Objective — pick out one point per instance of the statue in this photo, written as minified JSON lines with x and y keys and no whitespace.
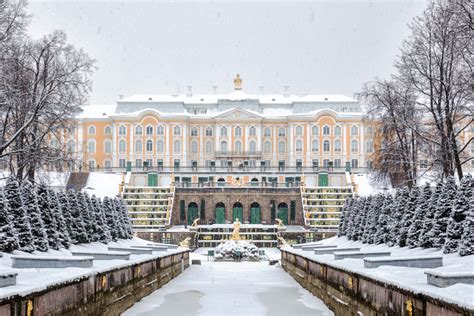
{"x":195,"y":222}
{"x":235,"y":232}
{"x":279,"y":223}
{"x":237,"y":83}
{"x":186,"y":243}
{"x":282,"y":241}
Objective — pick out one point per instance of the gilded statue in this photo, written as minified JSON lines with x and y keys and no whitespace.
{"x":235,"y":232}
{"x":238,"y":82}
{"x":282,"y":241}
{"x":279,"y":223}
{"x":186,"y":243}
{"x":195,"y":222}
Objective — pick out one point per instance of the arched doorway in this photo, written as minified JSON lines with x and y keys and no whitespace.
{"x":221,"y":182}
{"x":282,"y":213}
{"x":254,"y":182}
{"x":237,"y":211}
{"x":255,"y":213}
{"x":220,"y":213}
{"x":193,"y":212}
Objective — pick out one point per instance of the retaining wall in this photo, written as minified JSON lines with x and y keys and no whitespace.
{"x":105,"y":293}
{"x":347,"y":293}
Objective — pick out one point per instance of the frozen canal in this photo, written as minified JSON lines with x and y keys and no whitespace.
{"x":231,"y":288}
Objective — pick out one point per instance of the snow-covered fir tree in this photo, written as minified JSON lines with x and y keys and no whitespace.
{"x":20,"y":217}
{"x":86,"y":215}
{"x":110,"y":217}
{"x":121,"y":233}
{"x":100,"y":223}
{"x":8,"y":234}
{"x":93,"y":229}
{"x":349,"y":217}
{"x":466,"y":245}
{"x":68,"y":218}
{"x":372,"y":217}
{"x":61,"y":227}
{"x":425,"y":237}
{"x":78,"y":232}
{"x":417,"y":222}
{"x":459,"y":213}
{"x":383,"y":221}
{"x":361,"y":217}
{"x":341,"y":231}
{"x":408,"y":215}
{"x":443,"y":212}
{"x":400,"y":200}
{"x":126,"y":218}
{"x":49,"y":219}
{"x":30,"y":203}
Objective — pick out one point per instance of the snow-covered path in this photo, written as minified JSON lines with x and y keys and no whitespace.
{"x":231,"y":288}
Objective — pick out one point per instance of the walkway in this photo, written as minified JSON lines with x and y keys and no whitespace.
{"x":231,"y":288}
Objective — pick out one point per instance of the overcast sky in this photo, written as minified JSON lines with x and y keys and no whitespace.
{"x":160,"y":47}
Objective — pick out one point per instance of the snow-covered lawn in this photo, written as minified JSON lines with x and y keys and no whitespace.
{"x":102,"y":184}
{"x":231,"y":288}
{"x":32,"y":280}
{"x":413,"y":279}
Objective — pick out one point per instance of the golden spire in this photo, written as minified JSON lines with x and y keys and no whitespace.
{"x":237,"y":83}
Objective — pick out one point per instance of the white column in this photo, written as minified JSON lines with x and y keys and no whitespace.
{"x":167,"y":148}
{"x":308,"y":145}
{"x":185,"y":145}
{"x":344,"y":142}
{"x":290,"y":144}
{"x":201,"y":145}
{"x":275,"y":144}
{"x":132,"y":144}
{"x":259,"y":137}
{"x":114,"y":145}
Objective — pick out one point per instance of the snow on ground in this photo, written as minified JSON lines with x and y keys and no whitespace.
{"x":413,"y":279}
{"x":32,"y":280}
{"x":231,"y":288}
{"x":365,"y":185}
{"x":103,"y":184}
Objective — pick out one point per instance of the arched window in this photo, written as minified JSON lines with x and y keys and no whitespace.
{"x":267,"y":132}
{"x":209,"y":131}
{"x":337,"y":145}
{"x":281,"y":131}
{"x":238,"y":146}
{"x":326,"y":130}
{"x":354,"y":130}
{"x":194,"y":147}
{"x":354,"y":146}
{"x":177,"y":147}
{"x":108,"y":147}
{"x":160,"y":130}
{"x":194,"y":131}
{"x":91,"y":130}
{"x":149,"y":145}
{"x":238,"y":131}
{"x":370,"y":146}
{"x":369,"y":130}
{"x":159,"y":147}
{"x":209,"y":147}
{"x":224,"y":146}
{"x":91,"y":146}
{"x":315,"y":130}
{"x":299,"y":130}
{"x":253,"y":147}
{"x":281,"y":147}
{"x":138,"y":146}
{"x":299,"y":145}
{"x":122,"y":130}
{"x":315,"y":146}
{"x":138,"y":130}
{"x":223,"y":131}
{"x":71,"y":146}
{"x":337,"y":131}
{"x":149,"y":130}
{"x":122,"y":146}
{"x":326,"y":146}
{"x":267,"y":147}
{"x":177,"y":130}
{"x":252,"y":131}
{"x":54,"y":144}
{"x":108,"y":130}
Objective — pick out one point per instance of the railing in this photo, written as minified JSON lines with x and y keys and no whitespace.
{"x":254,"y":184}
{"x":252,"y":154}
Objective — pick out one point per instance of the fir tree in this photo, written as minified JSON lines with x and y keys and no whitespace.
{"x":78,"y":232}
{"x":443,"y":211}
{"x":372,"y":216}
{"x":86,"y":215}
{"x":20,"y":218}
{"x":62,"y":228}
{"x":30,"y":203}
{"x":110,"y":217}
{"x":400,"y":200}
{"x":458,"y":215}
{"x":383,"y":222}
{"x":408,"y":215}
{"x":120,"y":223}
{"x":101,"y":227}
{"x":126,"y":218}
{"x":416,"y":227}
{"x":466,"y":246}
{"x":361,"y":218}
{"x":425,"y":238}
{"x":48,"y":217}
{"x":8,"y":233}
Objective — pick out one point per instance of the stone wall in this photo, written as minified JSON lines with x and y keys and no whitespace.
{"x":347,"y":293}
{"x":107,"y":293}
{"x":245,"y":196}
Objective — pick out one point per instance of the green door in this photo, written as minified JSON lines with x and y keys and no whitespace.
{"x":152,"y":180}
{"x":193,"y":213}
{"x":255,"y":217}
{"x":238,"y":213}
{"x":283,"y":214}
{"x":348,"y":166}
{"x":220,"y":215}
{"x":323,"y":180}
{"x":129,"y":166}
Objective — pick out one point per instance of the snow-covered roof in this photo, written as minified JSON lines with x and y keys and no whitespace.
{"x":97,"y":111}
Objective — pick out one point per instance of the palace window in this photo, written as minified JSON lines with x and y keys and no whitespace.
{"x":209,"y":147}
{"x":326,"y":146}
{"x":299,"y":146}
{"x":369,"y":130}
{"x":252,"y":131}
{"x":194,"y":147}
{"x":370,"y":146}
{"x":122,"y":146}
{"x":160,"y":130}
{"x":91,"y":146}
{"x":267,"y":132}
{"x":326,"y":163}
{"x":107,"y":164}
{"x":253,"y":147}
{"x":122,"y":163}
{"x":160,"y":147}
{"x":337,"y":130}
{"x":354,"y":163}
{"x":209,"y":131}
{"x":138,"y":146}
{"x":108,"y":147}
{"x":224,"y":146}
{"x":223,"y":131}
{"x":326,"y":130}
{"x":71,"y":146}
{"x":267,"y":147}
{"x":138,"y":163}
{"x":337,"y":146}
{"x":91,"y":130}
{"x":138,"y":130}
{"x":238,"y":146}
{"x":354,"y":146}
{"x":177,"y":130}
{"x":194,"y":131}
{"x":315,"y":146}
{"x":354,"y":131}
{"x":337,"y":163}
{"x":299,"y":130}
{"x":108,"y":130}
{"x":149,"y":130}
{"x":281,"y":147}
{"x":149,"y":146}
{"x":238,"y":131}
{"x":281,"y":131}
{"x":177,"y":147}
{"x":315,"y":130}
{"x":122,"y":130}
